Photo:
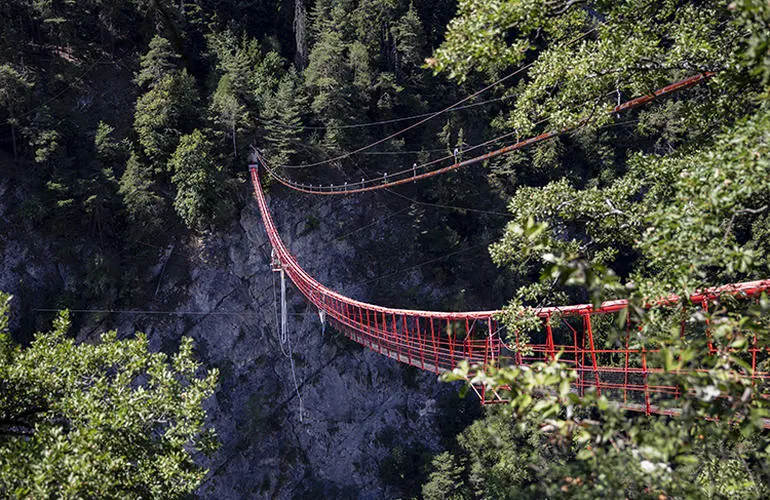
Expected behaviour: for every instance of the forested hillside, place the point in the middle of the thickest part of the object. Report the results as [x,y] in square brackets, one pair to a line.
[125,132]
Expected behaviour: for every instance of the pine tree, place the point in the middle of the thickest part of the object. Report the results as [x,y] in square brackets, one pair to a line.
[144,207]
[13,88]
[409,40]
[227,110]
[197,179]
[328,78]
[159,62]
[283,127]
[300,34]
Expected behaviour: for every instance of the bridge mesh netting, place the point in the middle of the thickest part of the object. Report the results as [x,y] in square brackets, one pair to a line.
[630,374]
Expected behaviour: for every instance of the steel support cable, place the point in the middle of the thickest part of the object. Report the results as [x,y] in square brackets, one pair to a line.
[378,182]
[160,313]
[150,312]
[62,92]
[409,152]
[344,235]
[437,113]
[371,145]
[383,182]
[430,261]
[392,120]
[451,207]
[415,168]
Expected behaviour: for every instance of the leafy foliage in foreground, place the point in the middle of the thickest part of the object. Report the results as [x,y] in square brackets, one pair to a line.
[98,421]
[690,211]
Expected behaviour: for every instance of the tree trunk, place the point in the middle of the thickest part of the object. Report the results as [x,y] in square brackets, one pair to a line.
[300,35]
[13,136]
[175,37]
[13,139]
[235,148]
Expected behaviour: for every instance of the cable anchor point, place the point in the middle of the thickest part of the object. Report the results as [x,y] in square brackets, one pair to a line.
[275,262]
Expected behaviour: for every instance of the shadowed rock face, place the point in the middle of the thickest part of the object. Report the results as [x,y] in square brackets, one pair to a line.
[28,265]
[357,406]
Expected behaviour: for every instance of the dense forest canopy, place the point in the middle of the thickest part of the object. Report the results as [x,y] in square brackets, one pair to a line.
[127,125]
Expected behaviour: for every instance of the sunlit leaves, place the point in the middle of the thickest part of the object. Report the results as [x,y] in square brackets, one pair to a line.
[104,420]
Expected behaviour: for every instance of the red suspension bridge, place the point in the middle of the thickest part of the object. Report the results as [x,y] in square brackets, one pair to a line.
[438,341]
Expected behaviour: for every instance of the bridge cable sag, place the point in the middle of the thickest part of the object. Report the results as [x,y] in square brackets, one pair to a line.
[386,122]
[411,174]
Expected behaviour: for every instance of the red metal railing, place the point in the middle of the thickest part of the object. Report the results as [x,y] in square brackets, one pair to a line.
[437,341]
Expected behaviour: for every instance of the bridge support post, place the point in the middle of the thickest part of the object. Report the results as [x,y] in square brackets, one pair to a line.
[284,311]
[277,267]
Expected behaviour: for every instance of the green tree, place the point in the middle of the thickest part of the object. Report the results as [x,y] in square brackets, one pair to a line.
[159,62]
[494,458]
[144,206]
[100,420]
[409,41]
[283,111]
[163,114]
[101,199]
[13,87]
[228,112]
[198,181]
[328,78]
[445,481]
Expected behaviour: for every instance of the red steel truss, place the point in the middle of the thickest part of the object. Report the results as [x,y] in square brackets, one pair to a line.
[437,341]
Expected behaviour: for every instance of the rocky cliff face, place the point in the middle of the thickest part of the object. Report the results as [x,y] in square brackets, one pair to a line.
[351,412]
[355,405]
[29,268]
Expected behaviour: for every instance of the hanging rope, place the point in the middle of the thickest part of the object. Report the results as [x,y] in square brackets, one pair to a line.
[294,378]
[284,339]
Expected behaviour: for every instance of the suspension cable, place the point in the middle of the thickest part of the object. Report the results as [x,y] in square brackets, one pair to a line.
[437,113]
[411,174]
[415,168]
[392,120]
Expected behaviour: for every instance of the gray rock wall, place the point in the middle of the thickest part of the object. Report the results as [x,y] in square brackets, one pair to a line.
[356,406]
